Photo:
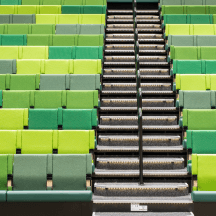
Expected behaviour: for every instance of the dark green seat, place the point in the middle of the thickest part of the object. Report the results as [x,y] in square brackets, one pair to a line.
[86,9]
[13,40]
[10,2]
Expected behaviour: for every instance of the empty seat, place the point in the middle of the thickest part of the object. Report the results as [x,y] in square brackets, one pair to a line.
[13,40]
[13,119]
[168,9]
[92,19]
[201,141]
[8,66]
[83,67]
[79,9]
[10,2]
[39,40]
[17,29]
[90,40]
[27,9]
[187,2]
[50,119]
[19,82]
[50,9]
[17,18]
[61,2]
[199,119]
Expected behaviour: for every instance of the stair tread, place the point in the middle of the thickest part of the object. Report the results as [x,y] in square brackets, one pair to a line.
[143,214]
[135,108]
[134,127]
[147,200]
[134,76]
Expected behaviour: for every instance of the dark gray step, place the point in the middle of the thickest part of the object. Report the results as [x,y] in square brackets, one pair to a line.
[139,26]
[135,128]
[142,214]
[132,86]
[123,64]
[144,109]
[129,140]
[133,103]
[131,47]
[127,20]
[134,189]
[133,120]
[151,63]
[119,29]
[156,149]
[125,77]
[122,163]
[132,51]
[120,40]
[130,11]
[147,71]
[131,17]
[151,40]
[134,92]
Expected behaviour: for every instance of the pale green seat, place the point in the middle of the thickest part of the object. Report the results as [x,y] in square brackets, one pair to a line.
[92,19]
[58,66]
[50,9]
[13,119]
[30,66]
[83,66]
[8,144]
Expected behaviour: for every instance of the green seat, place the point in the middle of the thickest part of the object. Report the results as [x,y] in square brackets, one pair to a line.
[60,52]
[43,29]
[64,40]
[6,168]
[181,29]
[201,141]
[204,29]
[10,2]
[199,119]
[58,66]
[8,66]
[30,66]
[13,40]
[200,19]
[46,19]
[27,9]
[183,53]
[9,142]
[13,119]
[84,66]
[39,40]
[79,9]
[30,171]
[195,99]
[69,171]
[175,19]
[19,82]
[167,9]
[195,9]
[9,52]
[50,9]
[198,82]
[91,19]
[90,40]
[207,53]
[17,29]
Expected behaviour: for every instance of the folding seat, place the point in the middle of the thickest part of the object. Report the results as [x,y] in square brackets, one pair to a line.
[200,19]
[9,52]
[208,53]
[210,66]
[91,29]
[95,2]
[27,9]
[49,99]
[6,168]
[53,82]
[192,82]
[8,9]
[47,9]
[13,40]
[23,18]
[181,40]
[91,19]
[9,142]
[210,2]
[172,9]
[8,66]
[79,9]
[64,40]
[75,142]
[68,19]
[204,29]
[198,9]
[67,29]
[51,2]
[31,2]
[58,66]
[192,2]
[17,99]
[5,18]
[207,40]
[87,66]
[28,66]
[37,52]
[93,52]
[170,2]
[69,171]
[211,9]
[181,53]
[13,119]
[10,2]
[84,82]
[18,29]
[81,99]
[72,9]
[19,82]
[96,9]
[212,81]
[60,52]
[180,29]
[195,99]
[90,40]
[43,29]
[43,119]
[30,171]
[39,40]
[46,19]
[199,119]
[175,19]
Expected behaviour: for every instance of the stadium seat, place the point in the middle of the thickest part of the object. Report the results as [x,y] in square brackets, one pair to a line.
[83,67]
[80,29]
[39,40]
[13,119]
[8,66]
[199,119]
[10,2]
[79,9]
[200,141]
[42,29]
[19,82]
[13,40]
[187,2]
[17,18]
[90,40]
[169,9]
[92,19]
[50,9]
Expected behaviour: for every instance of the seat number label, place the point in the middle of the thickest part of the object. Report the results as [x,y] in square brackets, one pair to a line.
[138,207]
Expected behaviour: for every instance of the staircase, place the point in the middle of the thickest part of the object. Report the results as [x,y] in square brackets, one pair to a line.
[116,187]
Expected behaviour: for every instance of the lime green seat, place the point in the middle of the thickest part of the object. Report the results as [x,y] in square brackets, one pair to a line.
[13,119]
[61,2]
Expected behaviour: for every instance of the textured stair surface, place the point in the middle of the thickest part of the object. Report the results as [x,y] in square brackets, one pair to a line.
[143,214]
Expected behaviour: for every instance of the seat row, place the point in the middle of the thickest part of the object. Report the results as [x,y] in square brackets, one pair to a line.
[49,99]
[77,29]
[31,183]
[53,2]
[36,66]
[47,141]
[193,53]
[188,9]
[49,82]
[52,9]
[190,29]
[52,52]
[48,119]
[51,40]
[187,2]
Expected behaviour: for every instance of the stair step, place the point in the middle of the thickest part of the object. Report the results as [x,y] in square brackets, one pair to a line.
[165,77]
[133,109]
[130,71]
[142,214]
[133,120]
[155,93]
[130,11]
[131,17]
[139,26]
[122,163]
[129,140]
[128,20]
[132,86]
[155,64]
[133,103]
[135,128]
[135,189]
[119,29]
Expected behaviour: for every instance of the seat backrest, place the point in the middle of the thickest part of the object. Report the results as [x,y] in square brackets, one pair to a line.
[8,144]
[87,66]
[13,40]
[43,29]
[17,29]
[11,2]
[208,53]
[73,2]
[67,29]
[212,81]
[51,2]
[181,29]
[30,171]
[175,19]
[195,99]
[8,66]
[90,40]
[9,52]
[67,19]
[168,9]
[200,19]
[60,52]
[192,2]
[91,29]
[181,40]
[195,9]
[88,52]
[203,166]
[184,53]
[69,171]
[203,29]
[39,40]
[50,9]
[30,66]
[46,19]
[201,141]
[64,40]
[170,2]
[92,19]
[94,2]
[13,119]
[31,52]
[58,66]
[23,18]
[205,40]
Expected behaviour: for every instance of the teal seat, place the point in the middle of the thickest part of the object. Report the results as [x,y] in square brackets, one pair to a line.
[86,9]
[13,40]
[10,2]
